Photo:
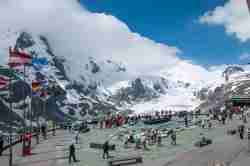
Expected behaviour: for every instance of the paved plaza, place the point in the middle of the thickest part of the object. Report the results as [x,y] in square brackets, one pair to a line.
[54,151]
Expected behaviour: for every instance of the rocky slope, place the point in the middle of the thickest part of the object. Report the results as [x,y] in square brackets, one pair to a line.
[69,97]
[236,85]
[93,87]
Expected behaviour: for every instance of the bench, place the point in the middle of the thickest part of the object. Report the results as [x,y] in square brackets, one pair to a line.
[85,130]
[125,161]
[232,132]
[100,146]
[203,143]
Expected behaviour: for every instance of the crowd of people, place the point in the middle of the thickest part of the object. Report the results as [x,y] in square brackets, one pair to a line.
[119,120]
[153,136]
[148,137]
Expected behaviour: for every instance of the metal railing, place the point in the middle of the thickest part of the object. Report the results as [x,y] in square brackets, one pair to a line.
[16,139]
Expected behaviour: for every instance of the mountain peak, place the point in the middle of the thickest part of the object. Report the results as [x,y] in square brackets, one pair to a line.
[232,70]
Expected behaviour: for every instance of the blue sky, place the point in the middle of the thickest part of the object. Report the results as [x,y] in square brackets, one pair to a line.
[176,24]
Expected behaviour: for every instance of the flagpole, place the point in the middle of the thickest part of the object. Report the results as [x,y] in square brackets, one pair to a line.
[10,136]
[37,123]
[30,110]
[45,116]
[24,110]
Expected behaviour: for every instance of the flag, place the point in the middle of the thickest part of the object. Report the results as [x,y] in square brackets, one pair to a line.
[40,89]
[6,75]
[44,94]
[36,86]
[17,58]
[40,61]
[4,81]
[248,3]
[9,73]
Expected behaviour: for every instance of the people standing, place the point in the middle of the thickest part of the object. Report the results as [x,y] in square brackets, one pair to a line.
[223,118]
[242,131]
[43,128]
[244,117]
[126,141]
[77,137]
[186,120]
[143,141]
[231,114]
[101,123]
[203,123]
[70,127]
[159,140]
[173,137]
[209,124]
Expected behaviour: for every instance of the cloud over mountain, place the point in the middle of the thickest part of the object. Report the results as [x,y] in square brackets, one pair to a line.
[244,56]
[77,34]
[234,16]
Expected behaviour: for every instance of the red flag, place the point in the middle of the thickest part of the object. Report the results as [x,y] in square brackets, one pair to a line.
[17,58]
[4,81]
[248,3]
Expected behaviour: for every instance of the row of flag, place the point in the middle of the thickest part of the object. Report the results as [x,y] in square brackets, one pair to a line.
[18,60]
[5,75]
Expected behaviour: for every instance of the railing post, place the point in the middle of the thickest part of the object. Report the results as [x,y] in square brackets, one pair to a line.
[248,137]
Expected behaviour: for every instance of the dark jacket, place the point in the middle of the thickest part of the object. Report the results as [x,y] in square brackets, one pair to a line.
[72,148]
[106,146]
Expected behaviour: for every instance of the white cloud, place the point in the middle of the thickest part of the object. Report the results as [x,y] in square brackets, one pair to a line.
[75,33]
[234,16]
[245,56]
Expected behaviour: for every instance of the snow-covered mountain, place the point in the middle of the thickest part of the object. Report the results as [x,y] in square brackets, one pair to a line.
[95,58]
[89,87]
[236,85]
[176,89]
[105,85]
[184,88]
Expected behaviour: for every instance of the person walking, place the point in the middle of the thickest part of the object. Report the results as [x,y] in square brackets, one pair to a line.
[159,140]
[77,136]
[143,141]
[43,129]
[105,154]
[72,153]
[203,123]
[223,119]
[242,131]
[173,137]
[186,120]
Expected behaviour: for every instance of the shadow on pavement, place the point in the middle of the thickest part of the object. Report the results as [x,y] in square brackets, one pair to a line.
[40,161]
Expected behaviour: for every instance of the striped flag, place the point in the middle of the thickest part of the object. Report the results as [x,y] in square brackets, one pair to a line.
[17,58]
[4,81]
[248,3]
[5,75]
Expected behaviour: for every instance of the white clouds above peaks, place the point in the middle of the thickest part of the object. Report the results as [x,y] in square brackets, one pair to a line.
[76,34]
[234,16]
[244,56]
